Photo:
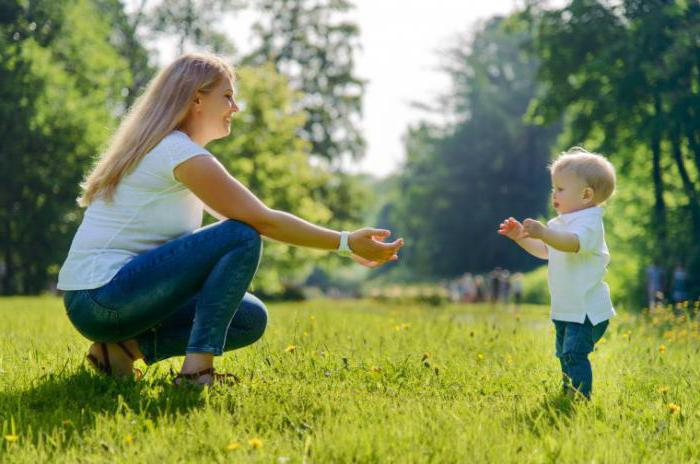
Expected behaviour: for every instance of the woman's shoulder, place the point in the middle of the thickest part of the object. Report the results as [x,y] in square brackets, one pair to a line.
[178,143]
[173,149]
[174,140]
[176,146]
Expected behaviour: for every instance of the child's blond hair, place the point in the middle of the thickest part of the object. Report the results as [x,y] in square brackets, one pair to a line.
[594,169]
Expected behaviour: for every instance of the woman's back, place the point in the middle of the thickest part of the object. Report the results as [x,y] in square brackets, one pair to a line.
[149,208]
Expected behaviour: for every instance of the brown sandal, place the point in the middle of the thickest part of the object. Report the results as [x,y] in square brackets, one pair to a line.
[106,367]
[191,379]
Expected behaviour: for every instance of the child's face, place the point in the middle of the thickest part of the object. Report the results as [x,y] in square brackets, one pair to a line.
[570,193]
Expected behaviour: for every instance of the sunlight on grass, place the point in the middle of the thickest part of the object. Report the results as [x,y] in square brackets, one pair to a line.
[359,381]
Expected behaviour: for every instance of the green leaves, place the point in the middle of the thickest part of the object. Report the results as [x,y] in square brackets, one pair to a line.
[60,89]
[460,181]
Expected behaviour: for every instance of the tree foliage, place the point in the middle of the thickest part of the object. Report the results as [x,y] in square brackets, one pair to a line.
[60,81]
[312,43]
[460,181]
[626,77]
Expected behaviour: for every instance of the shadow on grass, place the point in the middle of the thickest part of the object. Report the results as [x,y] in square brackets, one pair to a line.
[555,409]
[72,402]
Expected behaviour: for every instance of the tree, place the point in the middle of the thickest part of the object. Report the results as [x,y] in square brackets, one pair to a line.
[193,22]
[60,80]
[125,39]
[308,41]
[625,75]
[459,182]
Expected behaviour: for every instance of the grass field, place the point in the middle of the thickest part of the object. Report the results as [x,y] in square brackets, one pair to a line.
[357,381]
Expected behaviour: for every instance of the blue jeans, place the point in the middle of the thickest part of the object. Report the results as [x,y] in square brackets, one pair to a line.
[574,342]
[185,296]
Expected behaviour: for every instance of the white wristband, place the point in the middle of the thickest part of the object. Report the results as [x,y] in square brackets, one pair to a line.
[344,246]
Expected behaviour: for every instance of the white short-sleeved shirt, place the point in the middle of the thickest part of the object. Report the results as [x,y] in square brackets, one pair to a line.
[149,208]
[576,281]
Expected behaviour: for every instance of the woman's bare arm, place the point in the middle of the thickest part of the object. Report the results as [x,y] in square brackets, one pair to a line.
[223,194]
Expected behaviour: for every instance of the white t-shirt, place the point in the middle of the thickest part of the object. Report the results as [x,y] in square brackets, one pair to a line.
[576,279]
[149,208]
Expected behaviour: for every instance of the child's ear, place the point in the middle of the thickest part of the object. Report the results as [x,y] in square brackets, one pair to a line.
[588,194]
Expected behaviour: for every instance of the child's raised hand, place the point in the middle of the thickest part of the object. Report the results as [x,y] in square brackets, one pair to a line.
[512,229]
[533,228]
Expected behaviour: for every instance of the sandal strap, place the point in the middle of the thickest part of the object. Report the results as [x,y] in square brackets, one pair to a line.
[196,375]
[126,351]
[105,358]
[215,376]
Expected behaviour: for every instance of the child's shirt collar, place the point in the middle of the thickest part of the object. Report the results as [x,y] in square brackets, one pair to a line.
[593,211]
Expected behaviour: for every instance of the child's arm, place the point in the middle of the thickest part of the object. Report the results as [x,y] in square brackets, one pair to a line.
[515,231]
[562,241]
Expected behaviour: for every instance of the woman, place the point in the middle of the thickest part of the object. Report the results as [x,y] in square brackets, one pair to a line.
[141,279]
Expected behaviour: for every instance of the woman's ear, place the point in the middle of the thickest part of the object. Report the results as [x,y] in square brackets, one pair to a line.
[197,100]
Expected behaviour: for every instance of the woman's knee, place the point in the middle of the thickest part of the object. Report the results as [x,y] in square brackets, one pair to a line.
[241,234]
[260,317]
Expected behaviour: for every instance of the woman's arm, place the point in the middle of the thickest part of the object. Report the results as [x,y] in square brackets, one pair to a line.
[223,194]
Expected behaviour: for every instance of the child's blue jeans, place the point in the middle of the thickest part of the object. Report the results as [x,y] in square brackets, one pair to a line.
[574,342]
[185,296]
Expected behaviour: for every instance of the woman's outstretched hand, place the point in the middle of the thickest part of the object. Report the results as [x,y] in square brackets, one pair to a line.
[369,248]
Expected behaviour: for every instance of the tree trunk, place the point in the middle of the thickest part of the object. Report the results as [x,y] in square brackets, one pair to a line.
[688,186]
[659,204]
[9,265]
[694,144]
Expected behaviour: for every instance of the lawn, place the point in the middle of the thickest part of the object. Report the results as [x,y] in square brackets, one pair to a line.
[359,381]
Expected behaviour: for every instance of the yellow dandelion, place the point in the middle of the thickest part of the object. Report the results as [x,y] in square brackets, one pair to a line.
[509,359]
[480,356]
[601,341]
[290,349]
[663,389]
[662,348]
[404,326]
[128,439]
[674,408]
[255,443]
[12,437]
[233,446]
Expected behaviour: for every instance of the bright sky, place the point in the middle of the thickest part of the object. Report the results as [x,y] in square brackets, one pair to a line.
[399,59]
[400,41]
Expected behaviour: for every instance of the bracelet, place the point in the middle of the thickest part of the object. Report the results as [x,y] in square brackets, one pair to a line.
[344,246]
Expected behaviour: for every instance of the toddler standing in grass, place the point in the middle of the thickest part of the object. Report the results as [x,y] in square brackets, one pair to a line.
[574,244]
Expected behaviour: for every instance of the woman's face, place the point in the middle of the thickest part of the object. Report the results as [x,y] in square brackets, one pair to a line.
[214,111]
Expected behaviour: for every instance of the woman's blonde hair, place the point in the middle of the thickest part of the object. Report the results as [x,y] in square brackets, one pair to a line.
[158,111]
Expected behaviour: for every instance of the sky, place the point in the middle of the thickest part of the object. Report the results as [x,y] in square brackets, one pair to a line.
[399,59]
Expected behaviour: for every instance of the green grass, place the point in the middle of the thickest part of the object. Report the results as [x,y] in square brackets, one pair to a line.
[366,382]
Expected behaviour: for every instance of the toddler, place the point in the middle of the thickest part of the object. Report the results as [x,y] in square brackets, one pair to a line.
[574,244]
